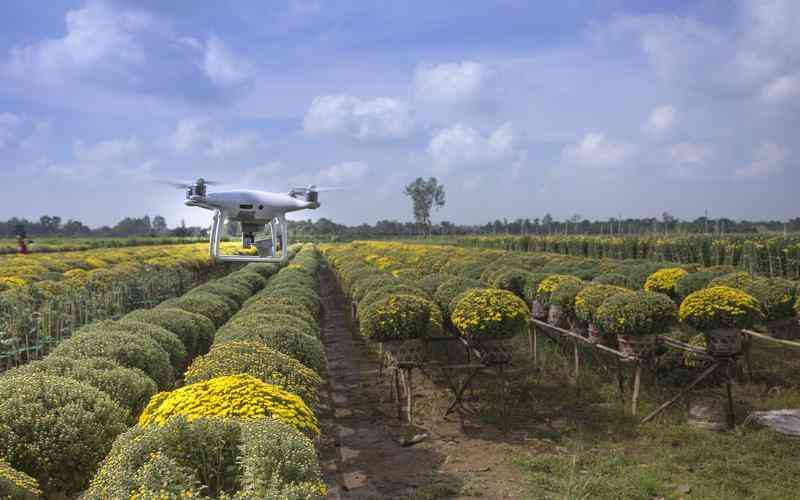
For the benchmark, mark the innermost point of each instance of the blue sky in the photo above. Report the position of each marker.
(520, 108)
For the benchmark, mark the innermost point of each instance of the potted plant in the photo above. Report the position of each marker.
(538, 311)
(665, 280)
(776, 297)
(544, 292)
(720, 312)
(488, 314)
(636, 318)
(587, 302)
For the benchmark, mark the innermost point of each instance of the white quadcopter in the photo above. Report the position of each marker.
(255, 211)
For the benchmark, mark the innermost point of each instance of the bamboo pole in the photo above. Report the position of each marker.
(771, 339)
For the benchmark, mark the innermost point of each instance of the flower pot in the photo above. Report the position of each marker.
(723, 341)
(636, 346)
(786, 329)
(556, 316)
(538, 311)
(596, 336)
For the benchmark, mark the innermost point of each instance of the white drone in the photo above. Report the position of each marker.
(255, 211)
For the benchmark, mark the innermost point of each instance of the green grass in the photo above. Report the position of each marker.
(584, 445)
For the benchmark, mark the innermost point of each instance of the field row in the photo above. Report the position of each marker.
(44, 297)
(242, 426)
(768, 255)
(410, 291)
(68, 244)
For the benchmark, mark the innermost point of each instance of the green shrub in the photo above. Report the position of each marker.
(720, 307)
(591, 298)
(216, 457)
(255, 320)
(128, 349)
(615, 279)
(489, 313)
(776, 297)
(383, 292)
(296, 293)
(231, 290)
(636, 314)
(548, 285)
(281, 304)
(511, 279)
(400, 317)
(288, 340)
(262, 268)
(665, 280)
(693, 282)
(564, 296)
(531, 286)
(131, 388)
(257, 360)
(212, 306)
(16, 485)
(247, 279)
(194, 330)
(372, 281)
(430, 283)
(409, 274)
(165, 338)
(739, 280)
(451, 289)
(57, 429)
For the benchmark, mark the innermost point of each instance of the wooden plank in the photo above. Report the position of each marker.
(683, 392)
(771, 339)
(566, 333)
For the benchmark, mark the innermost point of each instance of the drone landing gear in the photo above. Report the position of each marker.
(271, 250)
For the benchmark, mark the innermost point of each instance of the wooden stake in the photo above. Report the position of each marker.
(410, 396)
(685, 391)
(577, 360)
(637, 377)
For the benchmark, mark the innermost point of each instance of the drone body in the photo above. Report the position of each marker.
(254, 210)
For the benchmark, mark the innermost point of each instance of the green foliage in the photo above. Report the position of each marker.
(56, 429)
(431, 282)
(615, 279)
(564, 296)
(212, 306)
(257, 360)
(739, 280)
(381, 293)
(232, 290)
(371, 281)
(296, 293)
(400, 317)
(165, 338)
(220, 457)
(591, 298)
(276, 303)
(720, 307)
(126, 348)
(693, 282)
(194, 330)
(251, 320)
(636, 314)
(16, 485)
(451, 289)
(776, 297)
(511, 279)
(131, 388)
(489, 313)
(289, 340)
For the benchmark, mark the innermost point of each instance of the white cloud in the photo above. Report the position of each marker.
(381, 118)
(454, 81)
(94, 33)
(594, 150)
(221, 66)
(462, 146)
(265, 176)
(686, 158)
(233, 144)
(342, 173)
(781, 88)
(9, 125)
(769, 159)
(189, 132)
(661, 120)
(106, 151)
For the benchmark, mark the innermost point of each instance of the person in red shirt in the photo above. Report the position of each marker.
(22, 245)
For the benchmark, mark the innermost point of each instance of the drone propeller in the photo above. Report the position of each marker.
(326, 188)
(178, 184)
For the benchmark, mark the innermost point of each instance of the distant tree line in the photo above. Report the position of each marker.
(52, 225)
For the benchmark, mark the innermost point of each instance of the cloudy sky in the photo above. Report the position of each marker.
(520, 108)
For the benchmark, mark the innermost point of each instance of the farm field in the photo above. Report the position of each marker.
(69, 244)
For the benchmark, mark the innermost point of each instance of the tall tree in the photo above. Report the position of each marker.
(425, 194)
(159, 224)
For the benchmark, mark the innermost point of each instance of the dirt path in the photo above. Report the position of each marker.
(360, 452)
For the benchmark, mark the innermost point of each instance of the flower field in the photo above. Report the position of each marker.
(768, 255)
(66, 244)
(243, 424)
(44, 297)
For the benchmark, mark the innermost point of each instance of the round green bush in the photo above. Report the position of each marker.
(260, 361)
(126, 348)
(281, 305)
(210, 457)
(16, 485)
(131, 388)
(288, 340)
(165, 338)
(410, 274)
(511, 279)
(57, 429)
(262, 268)
(591, 298)
(531, 286)
(212, 306)
(489, 313)
(231, 290)
(636, 314)
(615, 279)
(372, 281)
(299, 294)
(379, 294)
(720, 307)
(254, 320)
(194, 330)
(247, 279)
(549, 285)
(693, 282)
(451, 289)
(400, 317)
(430, 283)
(739, 280)
(564, 296)
(776, 296)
